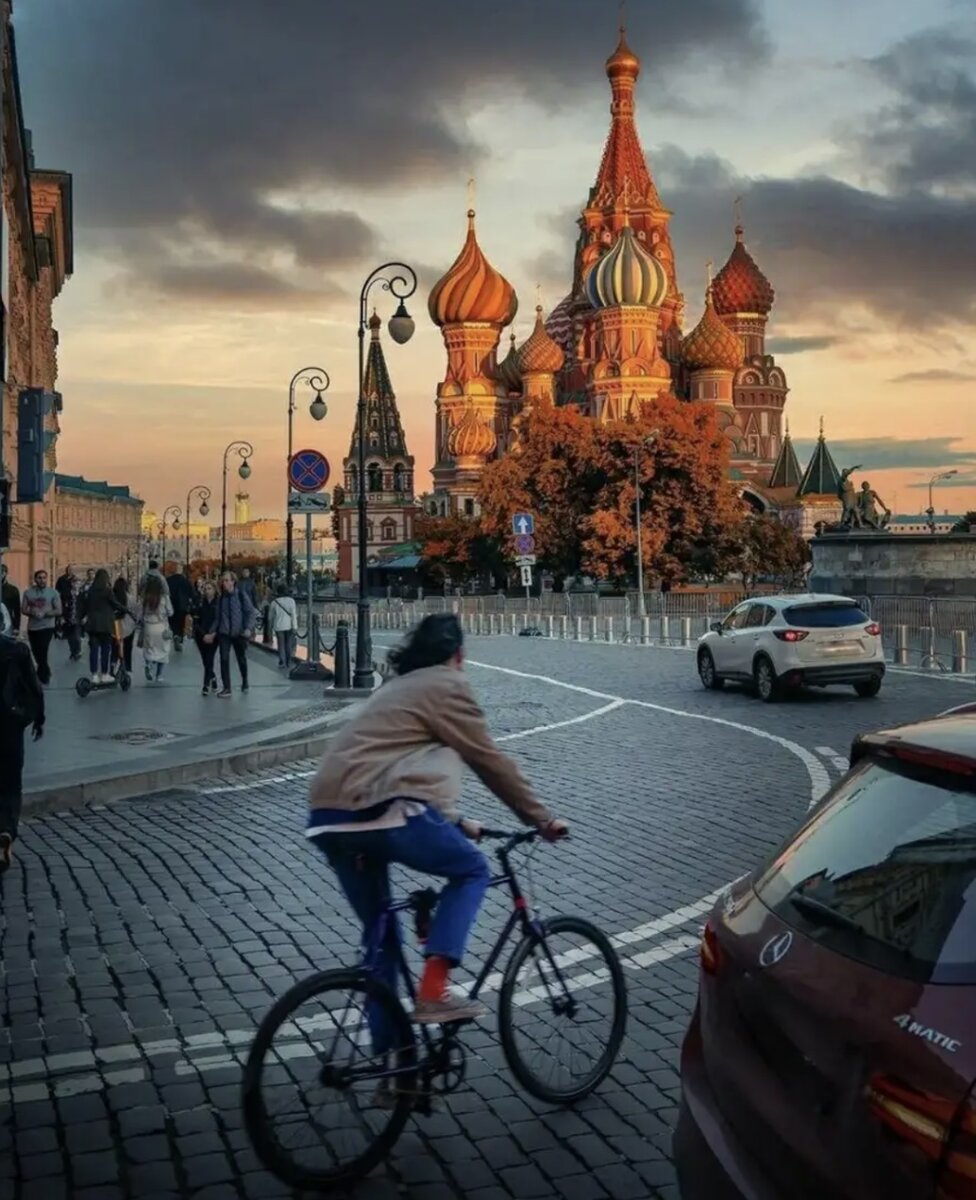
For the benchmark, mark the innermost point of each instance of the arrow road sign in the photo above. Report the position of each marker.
(525, 560)
(313, 502)
(526, 577)
(524, 543)
(308, 471)
(523, 523)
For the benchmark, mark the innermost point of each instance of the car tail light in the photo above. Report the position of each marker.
(710, 951)
(874, 629)
(790, 635)
(934, 1125)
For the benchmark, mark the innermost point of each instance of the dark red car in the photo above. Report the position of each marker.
(833, 1049)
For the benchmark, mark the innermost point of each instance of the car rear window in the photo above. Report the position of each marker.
(885, 873)
(824, 616)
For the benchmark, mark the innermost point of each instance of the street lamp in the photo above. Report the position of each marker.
(937, 478)
(245, 450)
(318, 379)
(648, 441)
(401, 327)
(204, 510)
(173, 508)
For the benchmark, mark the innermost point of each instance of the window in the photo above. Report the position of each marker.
(736, 618)
(884, 874)
(389, 530)
(374, 478)
(398, 478)
(758, 615)
(469, 508)
(826, 615)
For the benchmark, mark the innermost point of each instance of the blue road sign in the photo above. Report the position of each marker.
(308, 471)
(524, 543)
(523, 523)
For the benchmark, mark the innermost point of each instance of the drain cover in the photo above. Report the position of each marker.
(140, 737)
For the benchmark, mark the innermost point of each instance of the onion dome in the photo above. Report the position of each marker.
(711, 345)
(540, 354)
(560, 323)
(623, 63)
(471, 289)
(508, 373)
(471, 437)
(627, 274)
(740, 287)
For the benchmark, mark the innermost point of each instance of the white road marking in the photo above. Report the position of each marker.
(838, 761)
(597, 712)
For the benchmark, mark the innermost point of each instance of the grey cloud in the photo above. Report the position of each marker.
(882, 454)
(193, 116)
(935, 375)
(798, 345)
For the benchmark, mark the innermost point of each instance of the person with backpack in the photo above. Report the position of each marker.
(21, 705)
(283, 623)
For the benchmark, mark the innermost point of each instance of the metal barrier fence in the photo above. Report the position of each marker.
(916, 631)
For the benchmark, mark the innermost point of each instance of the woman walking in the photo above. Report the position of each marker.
(128, 621)
(205, 634)
(157, 637)
(100, 611)
(21, 704)
(283, 621)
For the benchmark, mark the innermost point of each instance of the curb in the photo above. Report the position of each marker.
(138, 783)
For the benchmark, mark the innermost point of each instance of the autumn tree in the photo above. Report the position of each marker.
(774, 551)
(458, 548)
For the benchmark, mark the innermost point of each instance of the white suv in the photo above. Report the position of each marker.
(781, 642)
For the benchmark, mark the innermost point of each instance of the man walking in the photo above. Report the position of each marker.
(42, 606)
(181, 598)
(21, 704)
(68, 588)
(236, 620)
(249, 587)
(10, 598)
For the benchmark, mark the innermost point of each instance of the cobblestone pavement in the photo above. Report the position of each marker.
(142, 941)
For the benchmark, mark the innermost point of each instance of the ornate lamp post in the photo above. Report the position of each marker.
(936, 478)
(245, 450)
(316, 378)
(175, 509)
(402, 282)
(204, 510)
(648, 441)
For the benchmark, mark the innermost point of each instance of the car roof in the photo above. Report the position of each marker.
(787, 598)
(948, 740)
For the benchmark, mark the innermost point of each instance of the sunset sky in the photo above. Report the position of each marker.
(241, 165)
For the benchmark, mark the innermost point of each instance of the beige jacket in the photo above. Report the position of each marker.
(411, 740)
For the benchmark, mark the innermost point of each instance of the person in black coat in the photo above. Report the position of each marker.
(15, 656)
(181, 598)
(10, 598)
(205, 619)
(100, 610)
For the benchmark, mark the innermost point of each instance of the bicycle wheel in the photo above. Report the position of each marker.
(563, 991)
(312, 1108)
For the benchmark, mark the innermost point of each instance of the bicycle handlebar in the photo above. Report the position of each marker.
(511, 840)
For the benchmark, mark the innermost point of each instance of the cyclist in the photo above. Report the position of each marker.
(387, 790)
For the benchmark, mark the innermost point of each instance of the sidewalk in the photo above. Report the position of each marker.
(114, 744)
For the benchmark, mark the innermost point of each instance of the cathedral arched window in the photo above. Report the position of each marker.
(374, 478)
(398, 477)
(374, 421)
(353, 480)
(388, 530)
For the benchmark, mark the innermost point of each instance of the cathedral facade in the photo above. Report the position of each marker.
(617, 338)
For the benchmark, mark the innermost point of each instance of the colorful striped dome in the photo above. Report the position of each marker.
(627, 274)
(711, 345)
(471, 289)
(471, 437)
(540, 354)
(508, 373)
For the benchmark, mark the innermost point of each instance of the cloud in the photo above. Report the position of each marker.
(934, 375)
(800, 345)
(196, 118)
(883, 454)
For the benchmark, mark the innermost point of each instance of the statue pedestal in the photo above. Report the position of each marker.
(862, 563)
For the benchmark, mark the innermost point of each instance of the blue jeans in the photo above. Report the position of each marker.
(429, 843)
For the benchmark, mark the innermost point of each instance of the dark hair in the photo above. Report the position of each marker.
(120, 590)
(153, 565)
(152, 597)
(281, 589)
(101, 581)
(435, 640)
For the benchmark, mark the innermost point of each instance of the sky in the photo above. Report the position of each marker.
(240, 167)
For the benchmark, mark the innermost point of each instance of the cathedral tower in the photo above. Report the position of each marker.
(471, 304)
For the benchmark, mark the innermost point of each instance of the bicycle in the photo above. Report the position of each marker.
(405, 1078)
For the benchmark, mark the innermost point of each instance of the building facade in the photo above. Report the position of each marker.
(36, 257)
(96, 525)
(391, 507)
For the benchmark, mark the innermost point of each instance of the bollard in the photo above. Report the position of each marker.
(550, 626)
(665, 631)
(579, 629)
(645, 633)
(960, 657)
(901, 645)
(564, 627)
(314, 651)
(512, 619)
(686, 631)
(928, 645)
(525, 619)
(343, 677)
(609, 629)
(593, 621)
(628, 628)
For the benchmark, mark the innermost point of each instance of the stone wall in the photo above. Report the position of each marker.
(888, 564)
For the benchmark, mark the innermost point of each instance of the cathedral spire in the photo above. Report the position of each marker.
(821, 478)
(786, 470)
(384, 431)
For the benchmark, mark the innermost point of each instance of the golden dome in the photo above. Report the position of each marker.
(508, 373)
(471, 289)
(711, 345)
(540, 354)
(471, 437)
(623, 62)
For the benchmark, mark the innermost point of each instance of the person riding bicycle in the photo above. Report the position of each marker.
(387, 791)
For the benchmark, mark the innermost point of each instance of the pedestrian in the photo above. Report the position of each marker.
(89, 580)
(42, 606)
(283, 619)
(127, 622)
(21, 705)
(205, 634)
(153, 570)
(100, 610)
(68, 589)
(10, 598)
(181, 598)
(247, 585)
(236, 619)
(157, 637)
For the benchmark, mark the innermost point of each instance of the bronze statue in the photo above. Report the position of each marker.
(867, 503)
(851, 517)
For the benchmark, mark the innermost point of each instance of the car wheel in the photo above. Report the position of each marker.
(764, 677)
(868, 689)
(706, 671)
